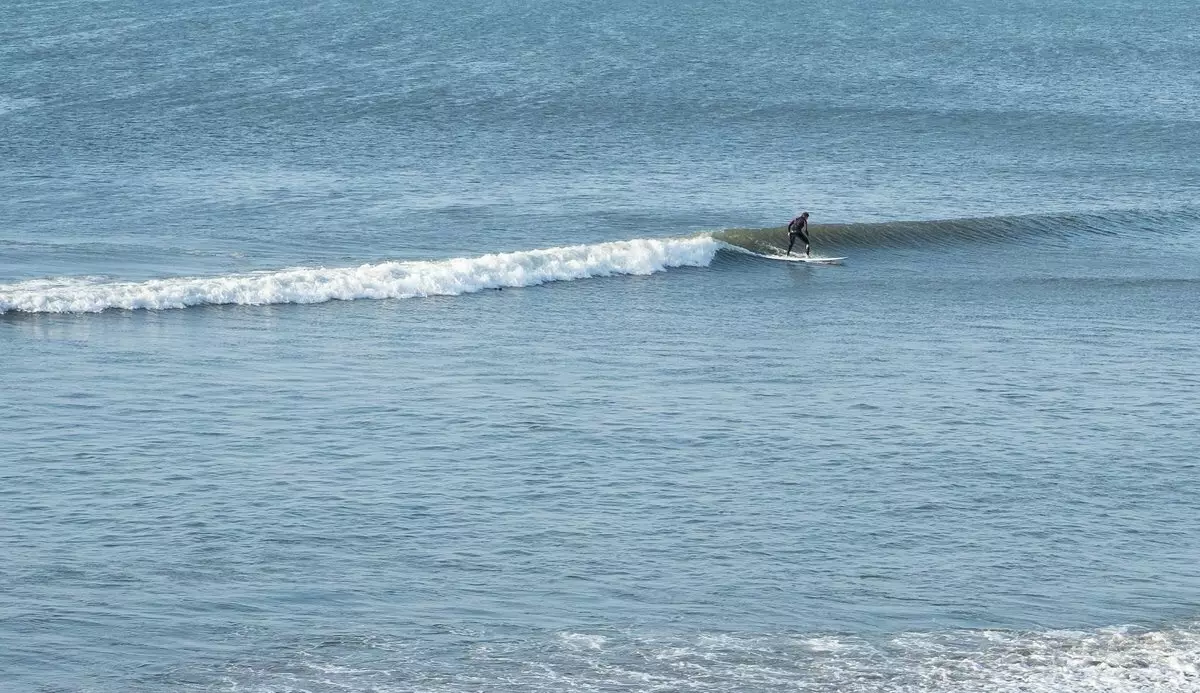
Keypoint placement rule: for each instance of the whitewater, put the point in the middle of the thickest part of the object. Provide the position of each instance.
(383, 280)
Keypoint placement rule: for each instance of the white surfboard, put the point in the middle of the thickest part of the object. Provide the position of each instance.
(801, 258)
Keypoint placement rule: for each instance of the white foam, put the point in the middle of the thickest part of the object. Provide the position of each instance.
(1108, 660)
(1114, 660)
(385, 280)
(583, 641)
(825, 644)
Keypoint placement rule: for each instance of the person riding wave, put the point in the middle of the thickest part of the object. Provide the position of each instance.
(798, 228)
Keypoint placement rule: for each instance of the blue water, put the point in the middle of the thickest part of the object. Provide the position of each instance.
(419, 348)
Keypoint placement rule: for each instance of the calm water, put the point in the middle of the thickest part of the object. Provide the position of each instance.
(398, 347)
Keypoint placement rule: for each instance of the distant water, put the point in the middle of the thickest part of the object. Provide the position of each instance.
(393, 347)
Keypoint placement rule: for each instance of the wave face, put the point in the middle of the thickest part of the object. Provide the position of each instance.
(946, 232)
(384, 280)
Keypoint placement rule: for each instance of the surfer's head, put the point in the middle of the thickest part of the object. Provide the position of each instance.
(804, 215)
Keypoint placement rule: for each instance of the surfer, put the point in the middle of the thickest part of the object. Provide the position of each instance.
(798, 228)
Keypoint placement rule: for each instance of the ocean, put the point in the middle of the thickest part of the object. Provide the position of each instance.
(403, 346)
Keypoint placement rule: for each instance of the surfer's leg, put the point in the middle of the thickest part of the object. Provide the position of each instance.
(791, 241)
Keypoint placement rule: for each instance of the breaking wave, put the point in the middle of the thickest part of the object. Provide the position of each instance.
(1115, 660)
(456, 276)
(383, 280)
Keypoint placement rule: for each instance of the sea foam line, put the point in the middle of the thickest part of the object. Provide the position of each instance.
(384, 280)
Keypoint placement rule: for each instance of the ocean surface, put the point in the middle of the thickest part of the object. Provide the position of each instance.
(401, 346)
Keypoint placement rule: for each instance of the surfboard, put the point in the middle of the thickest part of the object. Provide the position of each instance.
(800, 258)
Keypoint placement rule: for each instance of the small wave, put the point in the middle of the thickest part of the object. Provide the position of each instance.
(10, 104)
(384, 280)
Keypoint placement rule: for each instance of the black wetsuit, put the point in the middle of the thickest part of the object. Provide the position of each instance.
(797, 228)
